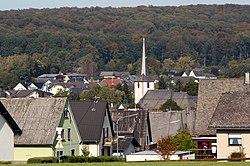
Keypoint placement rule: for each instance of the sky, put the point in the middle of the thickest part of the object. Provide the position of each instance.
(26, 4)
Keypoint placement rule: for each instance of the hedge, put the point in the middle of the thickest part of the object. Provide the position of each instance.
(81, 159)
(49, 159)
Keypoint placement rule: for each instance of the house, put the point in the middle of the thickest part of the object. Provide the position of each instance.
(46, 77)
(133, 124)
(113, 74)
(8, 128)
(154, 99)
(26, 93)
(110, 82)
(57, 87)
(126, 145)
(95, 126)
(39, 119)
(75, 77)
(209, 94)
(155, 156)
(231, 121)
(20, 86)
(198, 74)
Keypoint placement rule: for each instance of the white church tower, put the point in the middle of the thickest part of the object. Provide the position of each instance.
(143, 83)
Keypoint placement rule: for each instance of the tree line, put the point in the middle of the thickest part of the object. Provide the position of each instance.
(97, 39)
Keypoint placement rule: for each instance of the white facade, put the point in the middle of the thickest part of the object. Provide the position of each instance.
(19, 86)
(154, 156)
(141, 88)
(192, 74)
(6, 141)
(32, 86)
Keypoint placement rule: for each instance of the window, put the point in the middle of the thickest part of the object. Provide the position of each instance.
(69, 134)
(148, 85)
(59, 153)
(138, 84)
(72, 152)
(234, 139)
(65, 113)
(62, 134)
(107, 130)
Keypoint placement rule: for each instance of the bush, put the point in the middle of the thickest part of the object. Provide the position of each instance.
(81, 159)
(237, 156)
(42, 160)
(5, 162)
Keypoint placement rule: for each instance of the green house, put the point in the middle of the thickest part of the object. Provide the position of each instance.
(48, 127)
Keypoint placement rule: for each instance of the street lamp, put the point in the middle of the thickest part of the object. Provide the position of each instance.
(117, 130)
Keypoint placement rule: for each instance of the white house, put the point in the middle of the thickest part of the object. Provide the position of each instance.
(57, 87)
(19, 86)
(8, 128)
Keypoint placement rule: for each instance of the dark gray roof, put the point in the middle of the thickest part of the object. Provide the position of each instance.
(168, 123)
(65, 85)
(154, 99)
(39, 85)
(36, 117)
(135, 126)
(209, 94)
(145, 78)
(199, 73)
(233, 111)
(114, 73)
(89, 122)
(15, 128)
(124, 144)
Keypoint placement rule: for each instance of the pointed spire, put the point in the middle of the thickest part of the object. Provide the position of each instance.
(143, 64)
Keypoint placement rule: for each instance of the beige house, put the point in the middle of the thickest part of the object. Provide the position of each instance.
(231, 121)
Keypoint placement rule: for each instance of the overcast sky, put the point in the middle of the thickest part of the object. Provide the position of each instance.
(26, 4)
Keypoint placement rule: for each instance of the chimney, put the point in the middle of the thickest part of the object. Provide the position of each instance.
(247, 79)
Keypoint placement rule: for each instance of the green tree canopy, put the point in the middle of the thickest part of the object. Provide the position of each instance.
(183, 141)
(170, 105)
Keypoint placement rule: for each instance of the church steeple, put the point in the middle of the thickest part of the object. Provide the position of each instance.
(143, 64)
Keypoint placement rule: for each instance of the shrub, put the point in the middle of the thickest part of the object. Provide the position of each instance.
(49, 159)
(5, 162)
(237, 156)
(81, 159)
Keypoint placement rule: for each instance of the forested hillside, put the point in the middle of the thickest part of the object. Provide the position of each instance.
(35, 41)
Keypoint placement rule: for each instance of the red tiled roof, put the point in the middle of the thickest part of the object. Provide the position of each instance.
(111, 82)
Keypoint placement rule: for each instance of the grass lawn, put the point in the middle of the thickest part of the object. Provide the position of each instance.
(147, 164)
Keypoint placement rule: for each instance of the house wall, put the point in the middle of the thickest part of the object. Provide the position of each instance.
(19, 86)
(224, 150)
(107, 126)
(66, 123)
(141, 88)
(24, 153)
(6, 141)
